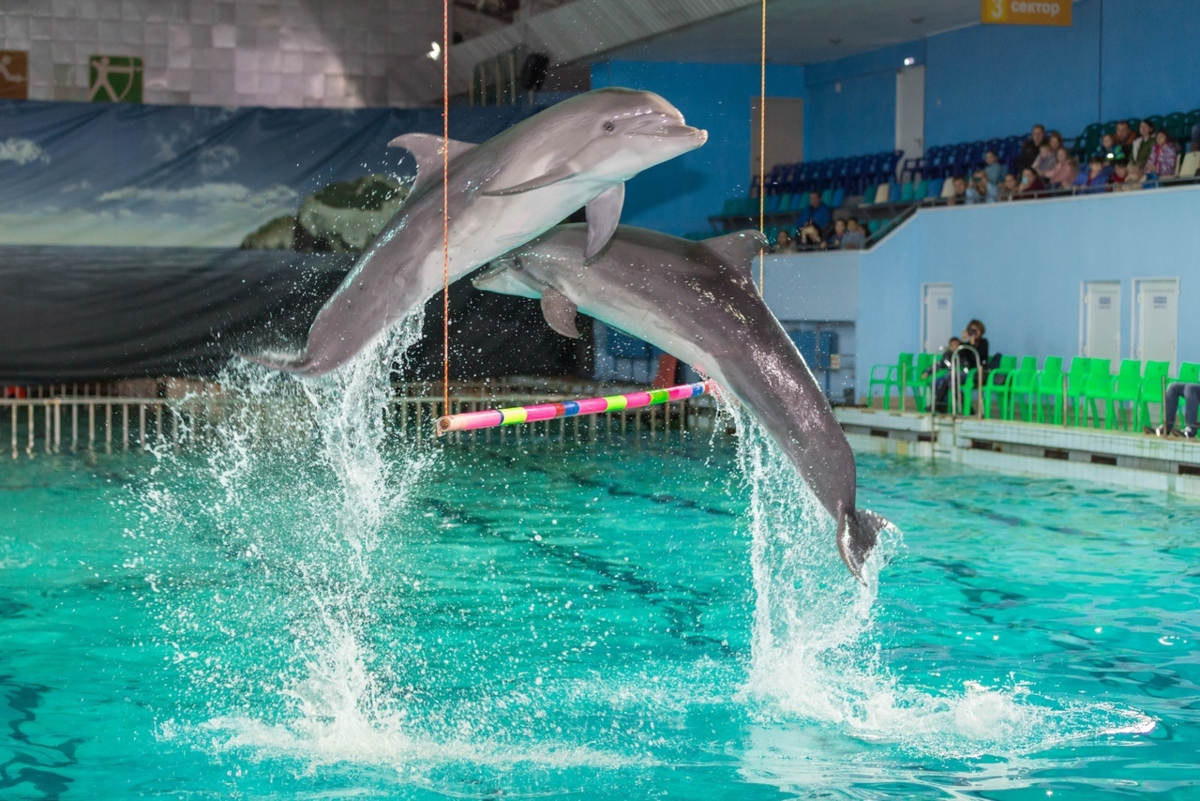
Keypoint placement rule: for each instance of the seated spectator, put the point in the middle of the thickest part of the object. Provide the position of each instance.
(1045, 160)
(809, 236)
(1163, 156)
(1124, 135)
(1009, 188)
(784, 243)
(947, 357)
(1054, 138)
(1066, 169)
(1029, 148)
(981, 190)
(1143, 144)
(973, 336)
(993, 168)
(1176, 391)
(855, 237)
(816, 212)
(834, 240)
(1134, 178)
(960, 191)
(1031, 183)
(1095, 178)
(1109, 150)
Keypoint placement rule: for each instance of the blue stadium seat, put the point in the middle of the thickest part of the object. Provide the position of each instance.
(935, 187)
(839, 197)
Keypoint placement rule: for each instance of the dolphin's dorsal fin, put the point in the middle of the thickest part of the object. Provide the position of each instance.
(427, 150)
(560, 312)
(552, 176)
(603, 214)
(738, 249)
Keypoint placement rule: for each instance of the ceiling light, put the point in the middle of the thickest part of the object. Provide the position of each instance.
(435, 51)
(908, 62)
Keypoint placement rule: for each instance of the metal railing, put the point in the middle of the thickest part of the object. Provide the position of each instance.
(54, 420)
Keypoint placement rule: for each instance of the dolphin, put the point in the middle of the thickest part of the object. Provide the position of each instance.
(501, 193)
(698, 301)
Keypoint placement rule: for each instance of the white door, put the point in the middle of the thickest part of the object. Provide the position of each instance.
(1155, 319)
(910, 111)
(937, 312)
(785, 132)
(1100, 320)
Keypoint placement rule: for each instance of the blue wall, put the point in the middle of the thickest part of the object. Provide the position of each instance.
(677, 197)
(851, 107)
(1119, 58)
(1017, 267)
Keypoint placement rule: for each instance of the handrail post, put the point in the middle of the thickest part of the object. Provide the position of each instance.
(1064, 401)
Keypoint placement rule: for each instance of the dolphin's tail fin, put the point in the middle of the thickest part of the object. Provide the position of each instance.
(856, 535)
(287, 364)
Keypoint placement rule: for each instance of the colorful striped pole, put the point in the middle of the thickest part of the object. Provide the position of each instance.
(469, 421)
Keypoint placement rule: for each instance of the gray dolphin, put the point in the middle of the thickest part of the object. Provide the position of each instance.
(697, 301)
(502, 193)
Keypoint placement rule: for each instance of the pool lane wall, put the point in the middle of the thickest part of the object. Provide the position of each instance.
(1016, 266)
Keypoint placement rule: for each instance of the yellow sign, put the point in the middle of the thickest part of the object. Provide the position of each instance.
(1026, 12)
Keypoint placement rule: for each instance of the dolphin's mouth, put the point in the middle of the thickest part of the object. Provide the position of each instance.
(673, 132)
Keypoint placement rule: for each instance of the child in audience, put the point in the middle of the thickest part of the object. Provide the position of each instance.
(1134, 178)
(1054, 138)
(993, 168)
(1143, 144)
(784, 243)
(834, 240)
(1163, 156)
(1031, 182)
(960, 191)
(855, 237)
(1009, 188)
(1095, 178)
(1119, 171)
(1066, 169)
(1109, 150)
(809, 236)
(1045, 160)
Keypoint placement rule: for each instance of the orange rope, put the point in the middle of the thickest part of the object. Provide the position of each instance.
(762, 141)
(445, 206)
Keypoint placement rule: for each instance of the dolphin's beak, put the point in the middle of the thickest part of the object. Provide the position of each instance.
(675, 131)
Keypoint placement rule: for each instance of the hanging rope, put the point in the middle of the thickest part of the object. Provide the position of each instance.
(762, 141)
(446, 206)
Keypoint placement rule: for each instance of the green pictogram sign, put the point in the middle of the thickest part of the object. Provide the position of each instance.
(115, 79)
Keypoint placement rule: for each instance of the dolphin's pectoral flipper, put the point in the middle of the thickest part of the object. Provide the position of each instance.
(560, 173)
(739, 249)
(857, 534)
(603, 214)
(560, 312)
(427, 150)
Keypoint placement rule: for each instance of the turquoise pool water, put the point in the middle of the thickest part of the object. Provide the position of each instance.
(345, 616)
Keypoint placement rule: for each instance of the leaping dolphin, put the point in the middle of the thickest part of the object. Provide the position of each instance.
(502, 193)
(697, 301)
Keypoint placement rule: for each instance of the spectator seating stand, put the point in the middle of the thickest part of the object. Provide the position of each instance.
(1087, 393)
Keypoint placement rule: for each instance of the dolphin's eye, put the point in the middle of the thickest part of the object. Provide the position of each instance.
(609, 127)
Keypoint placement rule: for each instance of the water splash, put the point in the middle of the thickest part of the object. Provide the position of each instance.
(297, 486)
(817, 656)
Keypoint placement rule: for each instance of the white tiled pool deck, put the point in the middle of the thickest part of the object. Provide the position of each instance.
(1109, 457)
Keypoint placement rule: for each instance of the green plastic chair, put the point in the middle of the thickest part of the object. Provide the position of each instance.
(1126, 390)
(1050, 385)
(1077, 378)
(922, 189)
(921, 383)
(889, 376)
(1022, 384)
(1097, 387)
(907, 192)
(731, 207)
(869, 195)
(997, 384)
(1152, 386)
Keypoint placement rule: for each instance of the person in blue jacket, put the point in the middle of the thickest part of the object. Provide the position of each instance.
(817, 213)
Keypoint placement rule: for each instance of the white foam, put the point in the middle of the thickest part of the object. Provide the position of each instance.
(814, 649)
